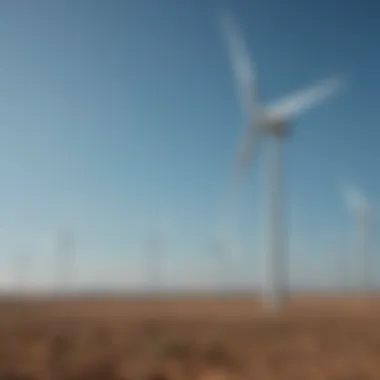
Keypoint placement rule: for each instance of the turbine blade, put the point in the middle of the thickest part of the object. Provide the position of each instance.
(245, 82)
(242, 66)
(300, 101)
(248, 149)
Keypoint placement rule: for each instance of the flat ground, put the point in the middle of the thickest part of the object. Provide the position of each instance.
(315, 337)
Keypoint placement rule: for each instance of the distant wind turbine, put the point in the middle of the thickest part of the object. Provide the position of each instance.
(65, 260)
(219, 256)
(154, 261)
(273, 122)
(363, 213)
(22, 267)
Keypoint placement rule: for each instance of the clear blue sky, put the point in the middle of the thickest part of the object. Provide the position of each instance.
(119, 115)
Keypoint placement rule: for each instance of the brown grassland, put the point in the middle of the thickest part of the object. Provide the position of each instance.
(334, 338)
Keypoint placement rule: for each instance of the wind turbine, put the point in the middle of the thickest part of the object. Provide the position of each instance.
(273, 122)
(363, 212)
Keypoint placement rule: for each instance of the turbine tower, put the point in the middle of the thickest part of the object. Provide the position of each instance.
(274, 122)
(363, 213)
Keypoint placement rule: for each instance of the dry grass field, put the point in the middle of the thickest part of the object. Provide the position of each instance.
(314, 338)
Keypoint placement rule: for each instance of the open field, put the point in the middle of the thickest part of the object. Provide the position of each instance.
(334, 338)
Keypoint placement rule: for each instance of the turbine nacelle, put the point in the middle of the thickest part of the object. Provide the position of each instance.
(274, 125)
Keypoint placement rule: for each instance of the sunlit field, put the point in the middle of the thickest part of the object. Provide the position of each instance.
(315, 337)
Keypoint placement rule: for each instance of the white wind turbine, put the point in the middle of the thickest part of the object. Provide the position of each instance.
(272, 121)
(363, 213)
